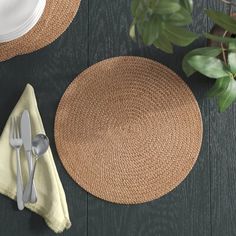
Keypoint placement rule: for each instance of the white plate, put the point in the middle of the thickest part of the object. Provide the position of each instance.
(17, 17)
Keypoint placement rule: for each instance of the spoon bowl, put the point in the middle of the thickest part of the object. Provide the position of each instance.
(40, 145)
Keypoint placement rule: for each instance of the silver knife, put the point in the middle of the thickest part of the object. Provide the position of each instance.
(27, 143)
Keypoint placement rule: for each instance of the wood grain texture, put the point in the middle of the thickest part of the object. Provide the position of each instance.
(223, 162)
(186, 210)
(49, 70)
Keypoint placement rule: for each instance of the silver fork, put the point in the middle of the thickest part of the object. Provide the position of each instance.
(16, 142)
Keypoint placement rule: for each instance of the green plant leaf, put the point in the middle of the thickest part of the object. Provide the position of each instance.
(219, 38)
(132, 32)
(179, 36)
(180, 18)
(225, 91)
(219, 86)
(232, 45)
(167, 7)
(164, 44)
(209, 66)
(138, 9)
(150, 30)
(232, 57)
(134, 6)
(188, 4)
(223, 20)
(205, 51)
(228, 96)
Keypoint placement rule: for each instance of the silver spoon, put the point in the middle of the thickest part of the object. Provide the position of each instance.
(40, 146)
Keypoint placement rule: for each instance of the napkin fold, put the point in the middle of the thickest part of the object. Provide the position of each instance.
(51, 204)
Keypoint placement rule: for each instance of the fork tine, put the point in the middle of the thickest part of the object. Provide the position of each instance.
(11, 128)
(17, 128)
(14, 128)
(19, 131)
(18, 125)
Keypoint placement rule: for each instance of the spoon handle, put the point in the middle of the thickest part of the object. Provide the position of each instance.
(30, 186)
(33, 197)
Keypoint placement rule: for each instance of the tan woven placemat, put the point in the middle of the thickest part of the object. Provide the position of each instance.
(57, 16)
(128, 130)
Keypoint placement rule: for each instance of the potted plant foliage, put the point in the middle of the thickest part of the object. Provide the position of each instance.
(163, 24)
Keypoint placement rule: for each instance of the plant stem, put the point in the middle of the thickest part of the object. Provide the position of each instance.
(223, 49)
(229, 2)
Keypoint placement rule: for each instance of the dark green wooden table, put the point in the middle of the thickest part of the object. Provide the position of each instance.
(203, 205)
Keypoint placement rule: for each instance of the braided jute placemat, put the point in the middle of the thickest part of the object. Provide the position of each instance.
(57, 16)
(128, 130)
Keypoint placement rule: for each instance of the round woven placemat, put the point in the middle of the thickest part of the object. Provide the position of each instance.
(57, 16)
(128, 130)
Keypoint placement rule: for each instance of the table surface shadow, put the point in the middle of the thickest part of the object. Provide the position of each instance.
(202, 205)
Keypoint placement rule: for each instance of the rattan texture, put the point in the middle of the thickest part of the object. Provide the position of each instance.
(57, 16)
(128, 130)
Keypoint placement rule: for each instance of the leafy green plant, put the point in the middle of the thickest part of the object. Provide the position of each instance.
(218, 63)
(163, 24)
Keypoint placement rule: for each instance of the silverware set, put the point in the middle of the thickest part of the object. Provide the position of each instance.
(20, 135)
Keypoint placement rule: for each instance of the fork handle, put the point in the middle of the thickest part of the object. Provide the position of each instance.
(19, 183)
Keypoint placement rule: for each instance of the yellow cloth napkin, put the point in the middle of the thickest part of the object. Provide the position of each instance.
(51, 204)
